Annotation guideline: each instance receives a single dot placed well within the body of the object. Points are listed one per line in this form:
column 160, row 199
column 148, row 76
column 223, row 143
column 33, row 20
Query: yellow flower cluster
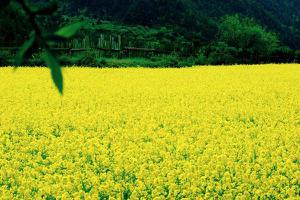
column 230, row 132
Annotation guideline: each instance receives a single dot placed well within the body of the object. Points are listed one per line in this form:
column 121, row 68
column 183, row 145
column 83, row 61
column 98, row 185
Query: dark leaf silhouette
column 26, row 49
column 70, row 30
column 55, row 68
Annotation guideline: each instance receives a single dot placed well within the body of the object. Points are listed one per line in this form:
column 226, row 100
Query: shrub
column 4, row 58
column 221, row 53
column 297, row 56
column 35, row 60
column 69, row 60
column 201, row 59
column 88, row 59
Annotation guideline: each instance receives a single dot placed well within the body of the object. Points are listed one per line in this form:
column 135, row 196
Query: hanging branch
column 38, row 40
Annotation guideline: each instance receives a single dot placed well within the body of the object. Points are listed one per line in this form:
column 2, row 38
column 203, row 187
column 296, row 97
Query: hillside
column 281, row 16
column 164, row 32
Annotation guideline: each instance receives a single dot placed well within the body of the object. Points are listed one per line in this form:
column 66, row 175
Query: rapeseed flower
column 228, row 132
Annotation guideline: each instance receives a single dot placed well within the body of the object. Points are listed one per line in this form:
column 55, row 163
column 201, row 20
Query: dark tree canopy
column 214, row 31
column 281, row 16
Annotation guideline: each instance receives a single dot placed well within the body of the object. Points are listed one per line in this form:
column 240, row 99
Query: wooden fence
column 105, row 43
column 125, row 52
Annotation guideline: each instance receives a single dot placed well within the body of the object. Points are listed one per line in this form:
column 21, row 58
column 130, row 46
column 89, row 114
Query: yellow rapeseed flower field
column 230, row 132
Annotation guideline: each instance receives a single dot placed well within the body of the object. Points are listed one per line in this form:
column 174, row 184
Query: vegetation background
column 162, row 33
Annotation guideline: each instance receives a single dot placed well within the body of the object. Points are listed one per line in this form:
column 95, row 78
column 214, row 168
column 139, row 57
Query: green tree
column 247, row 37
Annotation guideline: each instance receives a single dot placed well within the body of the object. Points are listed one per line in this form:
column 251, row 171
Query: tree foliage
column 195, row 31
column 38, row 38
column 192, row 16
column 246, row 38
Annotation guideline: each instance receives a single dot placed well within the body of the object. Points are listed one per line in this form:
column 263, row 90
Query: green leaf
column 27, row 48
column 70, row 30
column 55, row 68
column 4, row 3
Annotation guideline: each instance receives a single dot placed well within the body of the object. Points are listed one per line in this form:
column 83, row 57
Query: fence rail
column 132, row 51
column 125, row 50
